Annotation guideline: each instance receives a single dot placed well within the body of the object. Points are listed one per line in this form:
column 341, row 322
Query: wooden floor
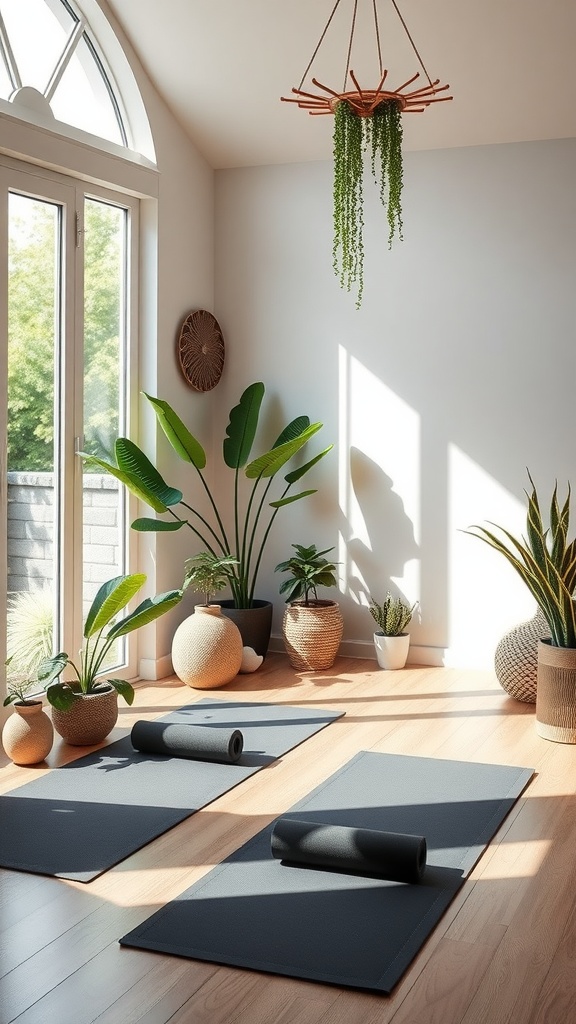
column 505, row 951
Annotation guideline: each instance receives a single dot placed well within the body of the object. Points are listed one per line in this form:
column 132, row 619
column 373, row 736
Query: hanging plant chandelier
column 366, row 122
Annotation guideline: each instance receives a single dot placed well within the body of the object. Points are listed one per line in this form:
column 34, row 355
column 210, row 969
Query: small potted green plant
column 312, row 627
column 85, row 707
column 391, row 641
column 28, row 734
column 207, row 574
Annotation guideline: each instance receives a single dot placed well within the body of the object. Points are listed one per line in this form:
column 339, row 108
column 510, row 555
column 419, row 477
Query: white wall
column 456, row 374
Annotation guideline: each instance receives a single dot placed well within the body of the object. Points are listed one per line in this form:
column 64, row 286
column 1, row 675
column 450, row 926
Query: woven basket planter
column 556, row 693
column 312, row 634
column 90, row 719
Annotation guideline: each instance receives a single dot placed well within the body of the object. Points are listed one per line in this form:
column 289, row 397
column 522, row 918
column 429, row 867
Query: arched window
column 53, row 67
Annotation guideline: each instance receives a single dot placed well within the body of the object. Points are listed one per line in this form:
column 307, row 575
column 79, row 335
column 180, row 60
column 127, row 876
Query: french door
column 67, row 329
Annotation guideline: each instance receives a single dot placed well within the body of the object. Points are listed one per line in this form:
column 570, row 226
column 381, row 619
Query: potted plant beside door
column 85, row 707
column 312, row 627
column 391, row 641
column 546, row 561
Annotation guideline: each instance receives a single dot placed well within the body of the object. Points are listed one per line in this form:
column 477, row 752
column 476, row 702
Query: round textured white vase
column 28, row 734
column 207, row 649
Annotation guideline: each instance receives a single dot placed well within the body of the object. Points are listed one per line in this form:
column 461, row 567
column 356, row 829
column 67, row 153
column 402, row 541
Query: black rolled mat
column 343, row 928
column 79, row 820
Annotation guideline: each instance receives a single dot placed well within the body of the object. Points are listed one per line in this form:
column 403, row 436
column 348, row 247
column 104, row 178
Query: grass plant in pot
column 546, row 561
column 28, row 734
column 391, row 641
column 312, row 627
column 207, row 646
column 85, row 708
column 254, row 507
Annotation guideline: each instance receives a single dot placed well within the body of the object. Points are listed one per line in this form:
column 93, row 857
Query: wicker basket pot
column 312, row 634
column 90, row 719
column 556, row 693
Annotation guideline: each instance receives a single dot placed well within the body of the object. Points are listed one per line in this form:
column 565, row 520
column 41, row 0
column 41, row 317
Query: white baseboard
column 150, row 668
column 417, row 655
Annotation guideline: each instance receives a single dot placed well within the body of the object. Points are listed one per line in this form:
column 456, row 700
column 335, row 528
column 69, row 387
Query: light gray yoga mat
column 256, row 911
column 79, row 820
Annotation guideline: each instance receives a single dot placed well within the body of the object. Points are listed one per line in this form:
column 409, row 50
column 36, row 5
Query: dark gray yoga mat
column 256, row 911
column 79, row 820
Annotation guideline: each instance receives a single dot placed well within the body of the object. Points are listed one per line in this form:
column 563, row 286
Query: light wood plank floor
column 505, row 951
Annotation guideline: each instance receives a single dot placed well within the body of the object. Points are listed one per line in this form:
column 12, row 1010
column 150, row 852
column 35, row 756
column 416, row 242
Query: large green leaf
column 242, row 426
column 125, row 689
column 158, row 525
column 271, row 462
column 294, row 429
column 150, row 609
column 182, row 441
column 134, row 484
column 296, row 474
column 131, row 459
column 110, row 599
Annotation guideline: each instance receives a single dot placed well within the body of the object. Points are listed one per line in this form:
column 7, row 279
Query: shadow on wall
column 391, row 542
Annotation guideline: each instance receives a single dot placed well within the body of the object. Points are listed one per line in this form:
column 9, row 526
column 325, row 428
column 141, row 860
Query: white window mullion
column 3, row 425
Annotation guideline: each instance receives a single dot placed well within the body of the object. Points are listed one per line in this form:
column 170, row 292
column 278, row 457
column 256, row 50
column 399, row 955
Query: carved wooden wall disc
column 201, row 350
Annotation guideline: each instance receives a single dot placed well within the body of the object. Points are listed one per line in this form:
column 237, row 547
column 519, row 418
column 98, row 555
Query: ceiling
column 222, row 65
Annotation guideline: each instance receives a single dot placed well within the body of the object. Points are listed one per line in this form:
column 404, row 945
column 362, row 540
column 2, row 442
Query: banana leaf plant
column 111, row 598
column 545, row 560
column 253, row 513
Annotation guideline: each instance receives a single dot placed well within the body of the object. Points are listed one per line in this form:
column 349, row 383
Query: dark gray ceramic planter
column 255, row 624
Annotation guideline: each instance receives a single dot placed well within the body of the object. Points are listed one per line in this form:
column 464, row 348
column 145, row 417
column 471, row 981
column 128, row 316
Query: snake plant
column 392, row 616
column 545, row 560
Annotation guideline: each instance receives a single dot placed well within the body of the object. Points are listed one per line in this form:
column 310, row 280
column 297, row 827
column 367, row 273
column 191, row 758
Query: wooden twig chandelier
column 365, row 119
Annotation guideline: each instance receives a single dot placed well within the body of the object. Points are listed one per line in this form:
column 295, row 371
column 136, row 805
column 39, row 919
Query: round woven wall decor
column 201, row 350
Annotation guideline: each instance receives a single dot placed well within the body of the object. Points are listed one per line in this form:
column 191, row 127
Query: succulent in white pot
column 391, row 641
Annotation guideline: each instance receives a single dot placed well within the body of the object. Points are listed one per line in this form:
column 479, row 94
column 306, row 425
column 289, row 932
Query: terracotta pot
column 90, row 719
column 28, row 734
column 391, row 651
column 556, row 693
column 207, row 649
column 312, row 634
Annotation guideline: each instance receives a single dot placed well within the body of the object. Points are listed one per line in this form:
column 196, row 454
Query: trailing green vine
column 381, row 133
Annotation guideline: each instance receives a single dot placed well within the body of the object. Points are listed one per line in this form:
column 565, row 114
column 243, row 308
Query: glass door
column 66, row 264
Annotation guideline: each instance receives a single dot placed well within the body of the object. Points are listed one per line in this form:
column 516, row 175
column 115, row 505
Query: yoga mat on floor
column 79, row 820
column 334, row 926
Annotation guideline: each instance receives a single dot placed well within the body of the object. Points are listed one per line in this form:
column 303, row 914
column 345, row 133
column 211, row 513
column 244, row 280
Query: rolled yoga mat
column 366, row 851
column 193, row 741
column 256, row 911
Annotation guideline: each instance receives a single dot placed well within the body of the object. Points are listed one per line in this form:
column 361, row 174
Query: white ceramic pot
column 391, row 651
